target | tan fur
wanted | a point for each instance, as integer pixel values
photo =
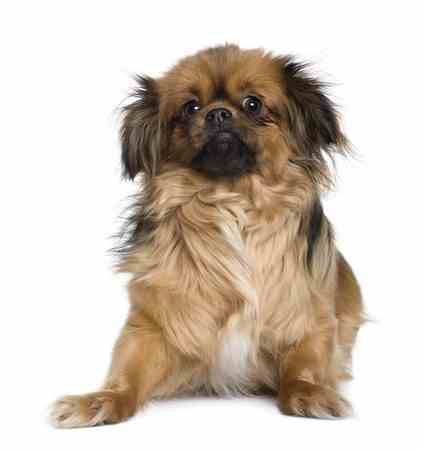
(222, 280)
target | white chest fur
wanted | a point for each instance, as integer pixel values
(231, 371)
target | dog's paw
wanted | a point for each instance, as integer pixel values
(301, 398)
(97, 408)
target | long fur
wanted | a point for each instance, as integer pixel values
(237, 284)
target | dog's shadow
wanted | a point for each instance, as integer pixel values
(202, 401)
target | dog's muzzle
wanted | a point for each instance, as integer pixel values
(225, 154)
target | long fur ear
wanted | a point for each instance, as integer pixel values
(140, 131)
(313, 118)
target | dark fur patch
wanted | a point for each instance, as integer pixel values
(313, 119)
(229, 157)
(220, 92)
(140, 131)
(137, 226)
(314, 229)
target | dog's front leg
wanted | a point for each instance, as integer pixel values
(305, 386)
(140, 363)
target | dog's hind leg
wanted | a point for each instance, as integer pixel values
(349, 312)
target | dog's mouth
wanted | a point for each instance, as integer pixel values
(224, 154)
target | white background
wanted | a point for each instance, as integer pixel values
(65, 68)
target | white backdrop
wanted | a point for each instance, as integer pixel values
(65, 68)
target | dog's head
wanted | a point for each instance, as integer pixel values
(227, 112)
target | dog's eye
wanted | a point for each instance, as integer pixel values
(191, 107)
(252, 104)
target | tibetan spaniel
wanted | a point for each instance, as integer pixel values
(237, 285)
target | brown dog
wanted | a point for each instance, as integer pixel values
(237, 284)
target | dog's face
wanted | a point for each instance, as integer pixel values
(227, 112)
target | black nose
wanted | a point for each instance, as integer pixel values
(218, 115)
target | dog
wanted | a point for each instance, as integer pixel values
(237, 285)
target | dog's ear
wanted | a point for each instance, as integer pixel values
(140, 131)
(312, 116)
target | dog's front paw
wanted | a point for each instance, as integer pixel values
(301, 398)
(97, 408)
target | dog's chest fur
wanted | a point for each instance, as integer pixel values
(256, 265)
(236, 360)
(232, 363)
(228, 265)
